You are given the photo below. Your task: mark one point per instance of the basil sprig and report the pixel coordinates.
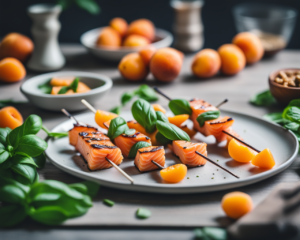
(144, 114)
(73, 86)
(55, 134)
(180, 106)
(172, 132)
(46, 87)
(206, 116)
(136, 147)
(117, 127)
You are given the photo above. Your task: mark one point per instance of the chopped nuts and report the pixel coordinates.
(288, 78)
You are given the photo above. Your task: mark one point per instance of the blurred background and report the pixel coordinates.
(217, 17)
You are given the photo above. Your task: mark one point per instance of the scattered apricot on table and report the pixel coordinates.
(233, 59)
(251, 46)
(135, 40)
(133, 68)
(109, 37)
(102, 116)
(165, 64)
(143, 27)
(11, 70)
(17, 46)
(147, 54)
(174, 173)
(239, 152)
(264, 159)
(178, 120)
(206, 63)
(120, 25)
(236, 204)
(158, 108)
(10, 117)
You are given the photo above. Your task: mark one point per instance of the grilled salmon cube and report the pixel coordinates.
(144, 156)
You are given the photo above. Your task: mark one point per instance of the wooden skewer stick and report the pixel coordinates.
(120, 170)
(161, 93)
(221, 103)
(89, 106)
(213, 162)
(241, 141)
(69, 115)
(158, 165)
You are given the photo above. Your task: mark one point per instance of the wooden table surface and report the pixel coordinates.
(171, 214)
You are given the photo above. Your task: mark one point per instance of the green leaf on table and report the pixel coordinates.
(180, 106)
(117, 127)
(162, 139)
(292, 126)
(86, 187)
(214, 233)
(3, 135)
(172, 132)
(126, 97)
(88, 5)
(11, 193)
(40, 160)
(31, 145)
(4, 155)
(11, 215)
(27, 171)
(292, 114)
(144, 114)
(74, 85)
(49, 215)
(273, 117)
(264, 98)
(46, 197)
(147, 93)
(116, 110)
(63, 90)
(108, 202)
(206, 116)
(46, 87)
(143, 213)
(136, 147)
(161, 117)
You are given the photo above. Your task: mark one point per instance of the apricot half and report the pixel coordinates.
(158, 108)
(174, 173)
(264, 159)
(178, 119)
(236, 204)
(239, 152)
(102, 116)
(10, 117)
(11, 70)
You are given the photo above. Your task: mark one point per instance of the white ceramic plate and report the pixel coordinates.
(257, 132)
(88, 39)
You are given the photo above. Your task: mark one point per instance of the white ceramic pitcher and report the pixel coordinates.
(47, 55)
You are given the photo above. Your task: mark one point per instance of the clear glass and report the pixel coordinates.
(274, 24)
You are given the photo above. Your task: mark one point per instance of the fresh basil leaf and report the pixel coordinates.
(117, 127)
(3, 135)
(199, 235)
(108, 202)
(46, 87)
(6, 164)
(294, 103)
(273, 117)
(92, 188)
(144, 114)
(63, 90)
(7, 178)
(32, 125)
(2, 146)
(116, 110)
(31, 145)
(11, 215)
(14, 136)
(126, 97)
(263, 99)
(49, 215)
(161, 117)
(4, 155)
(147, 93)
(206, 116)
(23, 159)
(162, 139)
(136, 147)
(172, 132)
(27, 171)
(40, 160)
(180, 106)
(292, 126)
(129, 132)
(88, 5)
(12, 194)
(74, 85)
(143, 213)
(46, 197)
(79, 187)
(214, 233)
(292, 114)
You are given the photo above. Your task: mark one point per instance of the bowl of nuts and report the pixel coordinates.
(285, 85)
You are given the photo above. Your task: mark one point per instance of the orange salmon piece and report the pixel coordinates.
(186, 151)
(144, 156)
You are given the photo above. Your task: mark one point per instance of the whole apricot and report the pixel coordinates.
(11, 70)
(236, 204)
(232, 59)
(206, 63)
(109, 37)
(132, 67)
(17, 46)
(143, 27)
(166, 64)
(147, 54)
(135, 41)
(250, 45)
(10, 117)
(120, 25)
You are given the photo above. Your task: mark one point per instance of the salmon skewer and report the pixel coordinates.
(146, 156)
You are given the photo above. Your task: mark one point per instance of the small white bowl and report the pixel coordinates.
(98, 83)
(88, 39)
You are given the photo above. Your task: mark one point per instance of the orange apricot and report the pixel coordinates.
(11, 70)
(232, 59)
(61, 81)
(174, 173)
(158, 108)
(10, 117)
(236, 204)
(138, 127)
(109, 37)
(178, 119)
(264, 159)
(135, 40)
(82, 88)
(166, 64)
(17, 46)
(250, 45)
(239, 152)
(132, 67)
(56, 89)
(206, 63)
(102, 116)
(147, 54)
(120, 25)
(190, 132)
(143, 27)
